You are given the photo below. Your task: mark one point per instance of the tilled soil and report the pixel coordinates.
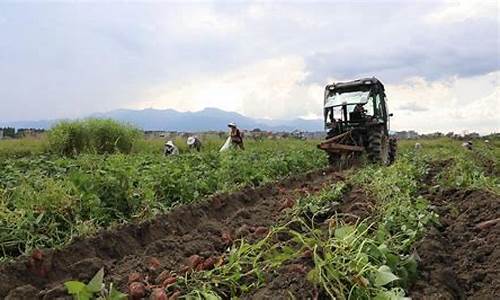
(459, 259)
(290, 282)
(161, 244)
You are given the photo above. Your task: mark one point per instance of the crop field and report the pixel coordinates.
(270, 222)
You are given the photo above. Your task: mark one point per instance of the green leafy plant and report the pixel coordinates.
(95, 289)
(47, 200)
(92, 136)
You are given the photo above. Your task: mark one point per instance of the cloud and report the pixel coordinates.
(433, 52)
(455, 104)
(462, 10)
(412, 106)
(272, 88)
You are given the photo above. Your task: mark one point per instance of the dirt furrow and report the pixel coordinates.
(159, 244)
(459, 259)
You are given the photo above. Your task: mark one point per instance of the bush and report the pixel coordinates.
(92, 136)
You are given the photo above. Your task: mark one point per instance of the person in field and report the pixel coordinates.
(360, 108)
(194, 143)
(170, 149)
(236, 136)
(467, 145)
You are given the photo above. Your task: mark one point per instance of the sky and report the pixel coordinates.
(439, 60)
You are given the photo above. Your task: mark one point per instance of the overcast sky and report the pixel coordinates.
(440, 60)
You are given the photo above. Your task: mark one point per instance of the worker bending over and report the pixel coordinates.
(236, 136)
(194, 143)
(171, 149)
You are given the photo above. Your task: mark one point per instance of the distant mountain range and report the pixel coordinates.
(172, 120)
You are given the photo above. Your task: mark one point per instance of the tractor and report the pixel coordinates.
(357, 121)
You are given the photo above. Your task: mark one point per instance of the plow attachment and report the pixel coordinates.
(341, 144)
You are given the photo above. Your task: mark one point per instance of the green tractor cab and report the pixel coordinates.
(357, 121)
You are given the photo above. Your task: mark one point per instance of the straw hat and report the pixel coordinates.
(191, 140)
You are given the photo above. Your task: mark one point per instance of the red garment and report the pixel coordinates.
(237, 138)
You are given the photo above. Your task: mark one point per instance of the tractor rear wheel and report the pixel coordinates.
(378, 148)
(392, 150)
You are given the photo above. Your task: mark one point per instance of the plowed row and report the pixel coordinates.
(460, 259)
(167, 240)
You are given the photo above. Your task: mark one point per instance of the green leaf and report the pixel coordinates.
(85, 295)
(115, 294)
(410, 264)
(95, 284)
(392, 260)
(210, 296)
(391, 295)
(344, 231)
(383, 249)
(39, 218)
(313, 276)
(384, 276)
(74, 287)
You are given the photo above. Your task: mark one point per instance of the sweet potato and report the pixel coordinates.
(199, 267)
(184, 269)
(487, 224)
(159, 294)
(261, 230)
(153, 263)
(194, 260)
(209, 263)
(169, 281)
(137, 290)
(37, 255)
(135, 277)
(163, 275)
(287, 203)
(174, 295)
(227, 239)
(307, 253)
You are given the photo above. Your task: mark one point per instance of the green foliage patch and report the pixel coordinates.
(47, 200)
(92, 136)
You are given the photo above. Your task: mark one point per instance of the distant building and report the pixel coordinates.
(25, 132)
(405, 135)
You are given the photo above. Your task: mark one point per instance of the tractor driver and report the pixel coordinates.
(359, 108)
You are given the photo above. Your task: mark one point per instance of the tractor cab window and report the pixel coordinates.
(378, 106)
(349, 106)
(370, 110)
(349, 98)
